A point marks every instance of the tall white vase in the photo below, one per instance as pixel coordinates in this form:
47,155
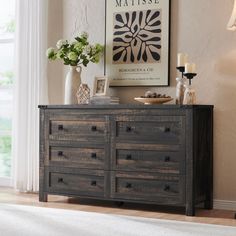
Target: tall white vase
73,81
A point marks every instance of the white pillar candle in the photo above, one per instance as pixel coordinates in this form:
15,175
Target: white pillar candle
194,68
190,68
182,59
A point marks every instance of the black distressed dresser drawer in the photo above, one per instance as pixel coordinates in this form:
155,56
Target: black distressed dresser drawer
165,162
72,129
157,129
83,184
149,187
90,158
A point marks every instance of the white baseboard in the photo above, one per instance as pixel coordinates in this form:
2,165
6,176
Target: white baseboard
224,205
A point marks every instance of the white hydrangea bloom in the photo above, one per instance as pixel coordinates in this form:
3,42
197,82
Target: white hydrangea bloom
88,49
50,52
94,49
84,35
60,43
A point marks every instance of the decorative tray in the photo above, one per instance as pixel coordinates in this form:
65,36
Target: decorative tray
151,101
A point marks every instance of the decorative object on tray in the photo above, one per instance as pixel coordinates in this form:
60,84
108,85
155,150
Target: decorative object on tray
83,94
153,98
137,42
185,94
76,54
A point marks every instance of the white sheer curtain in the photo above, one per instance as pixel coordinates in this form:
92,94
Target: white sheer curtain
30,90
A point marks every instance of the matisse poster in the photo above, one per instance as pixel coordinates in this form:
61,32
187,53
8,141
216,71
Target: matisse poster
137,42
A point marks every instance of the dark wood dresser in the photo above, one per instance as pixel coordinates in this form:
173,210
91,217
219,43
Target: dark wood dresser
131,153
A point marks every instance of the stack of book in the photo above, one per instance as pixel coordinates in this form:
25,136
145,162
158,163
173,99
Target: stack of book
104,100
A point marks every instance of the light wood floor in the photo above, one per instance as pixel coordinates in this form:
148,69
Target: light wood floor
219,217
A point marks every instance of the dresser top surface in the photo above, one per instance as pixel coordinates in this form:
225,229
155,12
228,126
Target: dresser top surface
125,106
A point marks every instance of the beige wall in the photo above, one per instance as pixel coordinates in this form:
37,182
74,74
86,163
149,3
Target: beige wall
198,28
55,69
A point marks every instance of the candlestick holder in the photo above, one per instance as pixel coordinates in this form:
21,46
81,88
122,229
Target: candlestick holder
180,88
190,76
189,95
181,69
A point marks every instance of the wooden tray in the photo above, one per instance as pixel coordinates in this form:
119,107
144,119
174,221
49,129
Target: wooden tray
150,101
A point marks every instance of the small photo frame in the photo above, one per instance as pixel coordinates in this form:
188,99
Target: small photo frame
100,86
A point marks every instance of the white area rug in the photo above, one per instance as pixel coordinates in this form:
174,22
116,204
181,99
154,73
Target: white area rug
16,220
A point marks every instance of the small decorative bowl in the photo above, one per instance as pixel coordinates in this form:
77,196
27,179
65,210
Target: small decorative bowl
151,101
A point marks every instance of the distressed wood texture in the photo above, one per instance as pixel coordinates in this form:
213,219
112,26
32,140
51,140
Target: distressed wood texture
89,158
145,154
87,184
148,187
151,161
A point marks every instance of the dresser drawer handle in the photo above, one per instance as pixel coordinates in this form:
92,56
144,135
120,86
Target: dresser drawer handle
93,183
128,129
94,128
94,155
129,157
167,188
60,180
128,185
167,159
60,127
167,130
60,154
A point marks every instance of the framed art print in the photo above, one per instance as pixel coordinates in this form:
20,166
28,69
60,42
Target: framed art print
137,42
100,86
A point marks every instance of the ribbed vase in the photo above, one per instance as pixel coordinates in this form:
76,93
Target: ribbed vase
73,81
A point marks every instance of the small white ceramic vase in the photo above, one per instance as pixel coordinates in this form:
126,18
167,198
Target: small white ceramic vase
72,83
180,88
189,95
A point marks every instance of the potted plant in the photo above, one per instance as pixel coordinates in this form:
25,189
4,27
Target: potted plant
75,54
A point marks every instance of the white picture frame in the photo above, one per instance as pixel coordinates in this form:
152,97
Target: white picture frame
101,85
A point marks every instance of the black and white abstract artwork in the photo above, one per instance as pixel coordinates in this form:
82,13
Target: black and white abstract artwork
137,42
137,37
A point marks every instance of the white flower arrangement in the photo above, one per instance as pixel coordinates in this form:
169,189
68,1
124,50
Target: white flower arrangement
78,52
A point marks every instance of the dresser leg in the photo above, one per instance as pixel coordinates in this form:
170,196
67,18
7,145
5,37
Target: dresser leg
208,204
43,197
190,211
